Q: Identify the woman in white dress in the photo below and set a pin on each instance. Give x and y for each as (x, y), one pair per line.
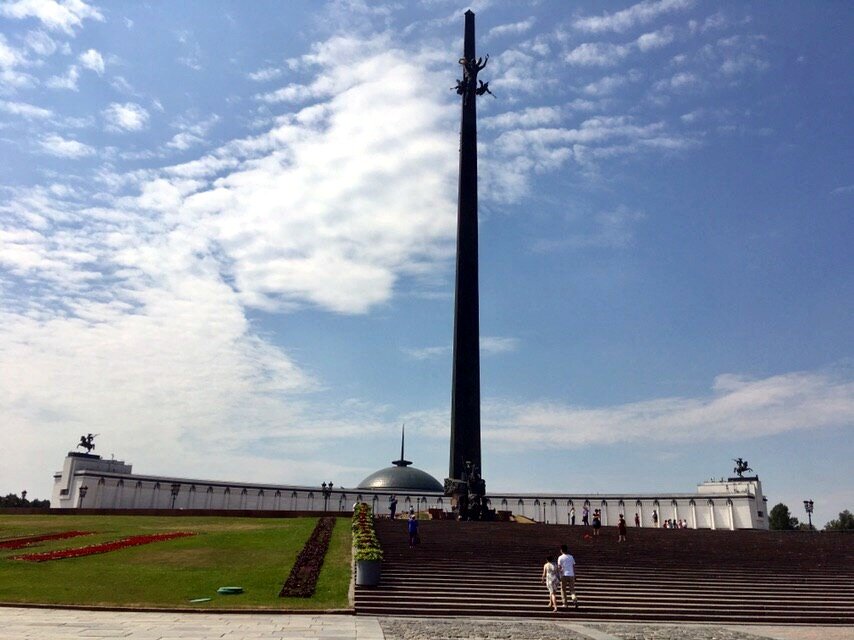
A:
(552, 582)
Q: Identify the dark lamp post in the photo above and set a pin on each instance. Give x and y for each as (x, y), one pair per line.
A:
(327, 491)
(81, 490)
(808, 507)
(176, 487)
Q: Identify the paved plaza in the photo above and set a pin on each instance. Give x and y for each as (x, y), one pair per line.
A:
(66, 624)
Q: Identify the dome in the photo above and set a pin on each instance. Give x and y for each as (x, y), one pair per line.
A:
(401, 478)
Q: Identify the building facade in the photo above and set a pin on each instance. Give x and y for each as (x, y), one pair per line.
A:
(92, 482)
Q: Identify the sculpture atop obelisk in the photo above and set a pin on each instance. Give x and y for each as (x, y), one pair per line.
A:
(464, 481)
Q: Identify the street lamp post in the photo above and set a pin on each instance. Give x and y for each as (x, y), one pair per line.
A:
(176, 487)
(327, 491)
(81, 490)
(808, 507)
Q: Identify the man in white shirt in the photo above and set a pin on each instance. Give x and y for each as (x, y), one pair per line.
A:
(566, 569)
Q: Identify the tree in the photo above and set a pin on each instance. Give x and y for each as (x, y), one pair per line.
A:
(780, 519)
(13, 500)
(845, 522)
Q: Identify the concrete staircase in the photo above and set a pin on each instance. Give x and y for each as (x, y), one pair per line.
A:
(493, 569)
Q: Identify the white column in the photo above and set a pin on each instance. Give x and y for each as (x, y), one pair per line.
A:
(712, 515)
(694, 515)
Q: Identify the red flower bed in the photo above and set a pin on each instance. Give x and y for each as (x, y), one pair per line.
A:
(26, 541)
(104, 547)
(302, 580)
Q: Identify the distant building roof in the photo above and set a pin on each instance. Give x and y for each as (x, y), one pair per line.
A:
(402, 477)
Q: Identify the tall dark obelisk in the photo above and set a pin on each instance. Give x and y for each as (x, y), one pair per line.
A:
(464, 481)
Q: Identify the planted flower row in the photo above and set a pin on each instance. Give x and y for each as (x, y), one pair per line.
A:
(104, 547)
(302, 580)
(26, 541)
(366, 546)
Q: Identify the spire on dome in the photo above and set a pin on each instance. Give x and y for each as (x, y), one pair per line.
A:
(402, 462)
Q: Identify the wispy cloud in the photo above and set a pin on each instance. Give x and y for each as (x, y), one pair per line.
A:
(528, 117)
(40, 43)
(56, 145)
(127, 116)
(427, 353)
(265, 75)
(67, 81)
(65, 15)
(192, 57)
(735, 408)
(627, 19)
(28, 111)
(491, 345)
(609, 229)
(513, 29)
(92, 59)
(607, 54)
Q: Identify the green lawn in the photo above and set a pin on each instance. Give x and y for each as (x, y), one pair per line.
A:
(253, 553)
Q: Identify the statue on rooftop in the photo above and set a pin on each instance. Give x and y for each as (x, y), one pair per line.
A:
(741, 467)
(87, 442)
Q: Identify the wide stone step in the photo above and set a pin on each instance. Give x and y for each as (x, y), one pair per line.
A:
(494, 569)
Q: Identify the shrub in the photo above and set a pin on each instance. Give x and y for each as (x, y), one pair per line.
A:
(366, 545)
(302, 580)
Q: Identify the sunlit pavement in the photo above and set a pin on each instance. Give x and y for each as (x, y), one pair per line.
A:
(59, 624)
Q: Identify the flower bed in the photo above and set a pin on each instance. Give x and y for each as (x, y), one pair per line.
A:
(366, 546)
(302, 580)
(26, 541)
(104, 547)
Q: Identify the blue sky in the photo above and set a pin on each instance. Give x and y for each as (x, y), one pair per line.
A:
(227, 234)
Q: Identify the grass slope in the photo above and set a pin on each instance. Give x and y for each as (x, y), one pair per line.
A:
(253, 553)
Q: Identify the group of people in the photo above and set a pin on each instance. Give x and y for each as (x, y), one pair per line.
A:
(560, 574)
(675, 524)
(596, 523)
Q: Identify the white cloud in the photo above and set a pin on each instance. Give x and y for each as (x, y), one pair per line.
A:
(28, 111)
(638, 14)
(608, 54)
(193, 52)
(265, 75)
(608, 84)
(529, 117)
(56, 145)
(609, 229)
(68, 81)
(65, 15)
(125, 117)
(515, 28)
(491, 345)
(183, 141)
(427, 353)
(9, 56)
(41, 43)
(598, 54)
(736, 408)
(93, 60)
(655, 39)
(681, 81)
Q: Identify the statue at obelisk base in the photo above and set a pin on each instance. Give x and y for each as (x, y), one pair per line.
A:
(465, 485)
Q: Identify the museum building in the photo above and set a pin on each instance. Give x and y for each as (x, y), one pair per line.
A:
(89, 481)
